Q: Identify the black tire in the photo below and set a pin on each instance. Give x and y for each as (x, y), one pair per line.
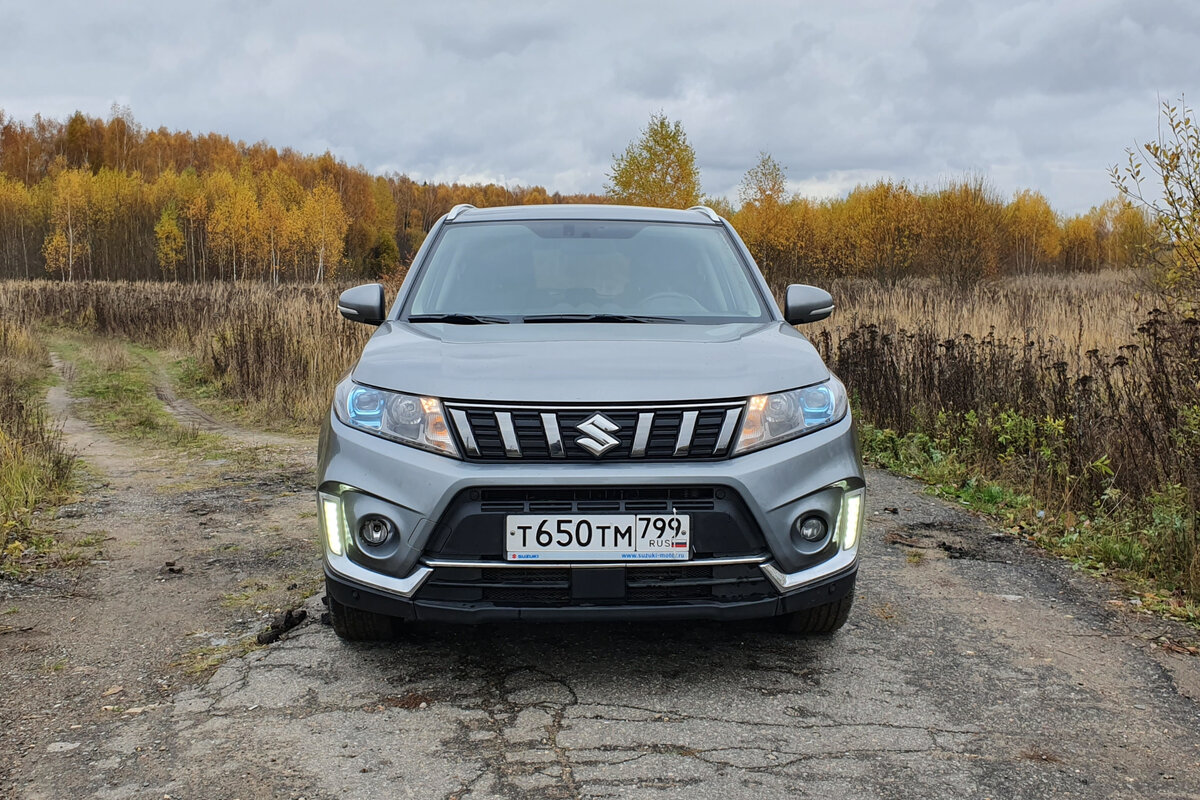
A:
(819, 620)
(356, 625)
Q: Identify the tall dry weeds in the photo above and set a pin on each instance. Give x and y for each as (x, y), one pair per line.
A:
(35, 466)
(277, 350)
(1071, 389)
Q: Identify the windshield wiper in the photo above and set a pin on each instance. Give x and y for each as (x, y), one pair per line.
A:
(597, 318)
(458, 319)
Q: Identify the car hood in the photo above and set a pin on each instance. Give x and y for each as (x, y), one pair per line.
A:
(589, 362)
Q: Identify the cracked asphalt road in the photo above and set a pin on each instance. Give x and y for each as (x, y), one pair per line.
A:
(972, 667)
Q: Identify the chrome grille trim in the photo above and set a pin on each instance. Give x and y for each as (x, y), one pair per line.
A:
(727, 430)
(544, 433)
(464, 431)
(508, 434)
(641, 435)
(698, 562)
(595, 406)
(687, 428)
(553, 436)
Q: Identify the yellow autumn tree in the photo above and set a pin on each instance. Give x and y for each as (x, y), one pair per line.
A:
(18, 215)
(168, 242)
(115, 197)
(1080, 245)
(66, 248)
(1135, 239)
(195, 206)
(1032, 236)
(324, 223)
(1171, 165)
(962, 234)
(656, 169)
(279, 194)
(765, 220)
(884, 229)
(234, 226)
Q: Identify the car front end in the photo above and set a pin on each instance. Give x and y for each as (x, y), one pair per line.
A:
(631, 468)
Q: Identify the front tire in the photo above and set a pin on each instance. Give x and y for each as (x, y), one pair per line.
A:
(355, 625)
(818, 620)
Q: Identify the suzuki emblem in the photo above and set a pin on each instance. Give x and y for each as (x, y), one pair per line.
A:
(596, 440)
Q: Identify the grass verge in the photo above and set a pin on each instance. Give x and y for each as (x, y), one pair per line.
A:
(190, 380)
(118, 380)
(1119, 541)
(35, 465)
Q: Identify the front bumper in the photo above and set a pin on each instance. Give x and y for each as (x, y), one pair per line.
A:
(819, 591)
(422, 493)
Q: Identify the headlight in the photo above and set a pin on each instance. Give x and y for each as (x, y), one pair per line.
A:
(405, 418)
(774, 418)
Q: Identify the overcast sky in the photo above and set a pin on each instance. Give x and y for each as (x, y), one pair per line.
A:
(1042, 95)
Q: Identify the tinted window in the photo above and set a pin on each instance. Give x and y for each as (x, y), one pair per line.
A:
(520, 269)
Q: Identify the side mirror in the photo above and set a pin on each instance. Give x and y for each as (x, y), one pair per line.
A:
(806, 304)
(364, 304)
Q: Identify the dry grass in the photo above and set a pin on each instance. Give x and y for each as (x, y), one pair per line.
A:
(1069, 405)
(1065, 395)
(35, 467)
(273, 352)
(1079, 311)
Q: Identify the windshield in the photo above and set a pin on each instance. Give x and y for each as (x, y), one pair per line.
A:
(584, 271)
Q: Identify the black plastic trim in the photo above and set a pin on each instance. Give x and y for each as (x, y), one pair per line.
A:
(355, 595)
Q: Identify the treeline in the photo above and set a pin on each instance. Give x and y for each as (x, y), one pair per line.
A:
(91, 198)
(961, 232)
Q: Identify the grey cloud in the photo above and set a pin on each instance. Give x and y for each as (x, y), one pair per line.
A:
(480, 39)
(1044, 95)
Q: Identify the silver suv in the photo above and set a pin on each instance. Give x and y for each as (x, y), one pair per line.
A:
(579, 412)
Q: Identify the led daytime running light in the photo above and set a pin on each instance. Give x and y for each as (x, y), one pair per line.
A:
(850, 519)
(333, 523)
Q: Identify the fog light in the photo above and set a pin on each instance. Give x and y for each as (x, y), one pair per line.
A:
(375, 530)
(812, 529)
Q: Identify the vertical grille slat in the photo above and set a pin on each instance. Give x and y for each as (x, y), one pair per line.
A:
(546, 434)
(508, 434)
(553, 437)
(728, 427)
(687, 429)
(641, 434)
(464, 431)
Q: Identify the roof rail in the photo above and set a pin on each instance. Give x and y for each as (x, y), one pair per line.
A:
(706, 211)
(458, 209)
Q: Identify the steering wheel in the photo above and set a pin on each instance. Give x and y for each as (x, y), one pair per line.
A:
(671, 295)
(683, 303)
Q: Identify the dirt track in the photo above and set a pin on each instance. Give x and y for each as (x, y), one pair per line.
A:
(974, 669)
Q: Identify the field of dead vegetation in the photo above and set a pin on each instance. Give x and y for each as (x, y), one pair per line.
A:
(1066, 406)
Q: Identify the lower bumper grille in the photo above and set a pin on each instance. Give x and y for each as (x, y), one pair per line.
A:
(472, 527)
(631, 585)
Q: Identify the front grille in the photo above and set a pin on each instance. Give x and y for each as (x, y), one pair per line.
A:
(600, 433)
(472, 526)
(643, 585)
(615, 500)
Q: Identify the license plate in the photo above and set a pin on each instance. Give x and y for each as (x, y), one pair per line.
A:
(598, 537)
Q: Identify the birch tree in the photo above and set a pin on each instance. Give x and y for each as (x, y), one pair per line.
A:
(656, 169)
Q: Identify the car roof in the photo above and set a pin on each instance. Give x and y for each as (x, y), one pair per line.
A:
(581, 211)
